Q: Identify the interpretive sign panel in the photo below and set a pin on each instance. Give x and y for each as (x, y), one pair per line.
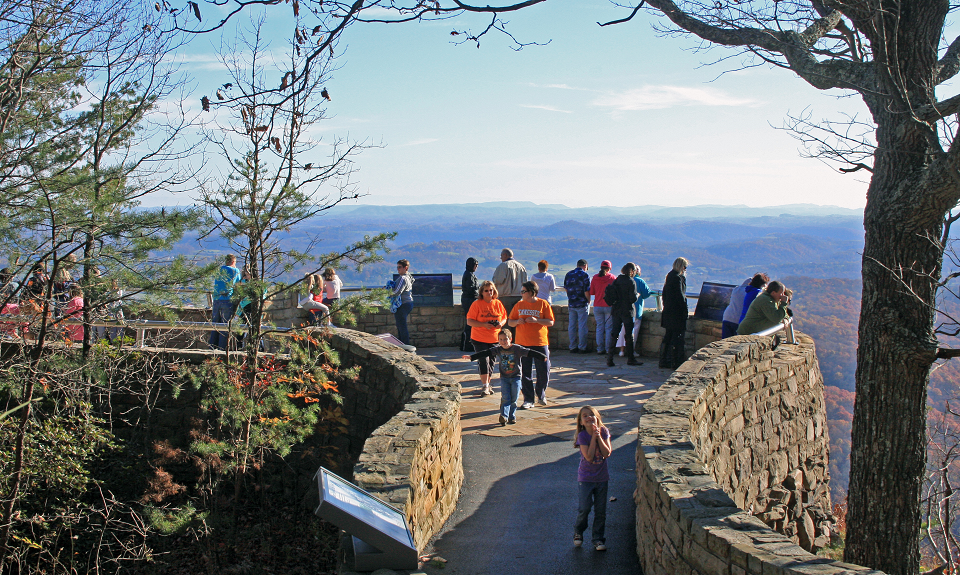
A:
(389, 543)
(714, 298)
(431, 290)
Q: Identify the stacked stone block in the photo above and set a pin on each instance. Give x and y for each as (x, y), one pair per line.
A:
(413, 458)
(442, 326)
(735, 437)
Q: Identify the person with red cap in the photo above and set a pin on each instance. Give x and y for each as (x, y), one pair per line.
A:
(601, 310)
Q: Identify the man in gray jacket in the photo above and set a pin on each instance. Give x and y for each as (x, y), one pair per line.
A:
(509, 277)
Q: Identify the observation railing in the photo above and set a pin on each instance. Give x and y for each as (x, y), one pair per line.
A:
(786, 326)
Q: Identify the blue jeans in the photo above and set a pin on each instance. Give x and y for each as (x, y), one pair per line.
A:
(604, 324)
(527, 363)
(509, 392)
(577, 329)
(592, 494)
(401, 316)
(222, 312)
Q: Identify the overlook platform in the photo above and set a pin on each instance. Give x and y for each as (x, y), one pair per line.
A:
(519, 502)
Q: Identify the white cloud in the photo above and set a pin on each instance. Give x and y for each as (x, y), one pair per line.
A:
(547, 108)
(660, 97)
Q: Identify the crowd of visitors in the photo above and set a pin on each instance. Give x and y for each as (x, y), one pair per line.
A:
(63, 301)
(617, 304)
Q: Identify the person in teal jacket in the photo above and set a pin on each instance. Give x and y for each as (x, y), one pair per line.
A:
(766, 311)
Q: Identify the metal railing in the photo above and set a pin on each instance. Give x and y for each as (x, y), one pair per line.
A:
(786, 325)
(656, 294)
(142, 326)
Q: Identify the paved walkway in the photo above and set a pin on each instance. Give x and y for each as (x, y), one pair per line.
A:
(516, 510)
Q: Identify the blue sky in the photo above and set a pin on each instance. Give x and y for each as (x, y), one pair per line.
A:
(599, 116)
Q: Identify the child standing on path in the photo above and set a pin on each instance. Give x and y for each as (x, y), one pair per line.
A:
(509, 356)
(593, 439)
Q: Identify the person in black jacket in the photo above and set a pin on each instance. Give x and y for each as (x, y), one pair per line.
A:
(470, 285)
(674, 317)
(621, 307)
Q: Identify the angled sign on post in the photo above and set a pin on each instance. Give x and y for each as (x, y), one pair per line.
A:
(381, 538)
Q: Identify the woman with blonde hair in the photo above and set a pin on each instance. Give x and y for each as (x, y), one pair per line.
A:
(485, 318)
(674, 317)
(313, 301)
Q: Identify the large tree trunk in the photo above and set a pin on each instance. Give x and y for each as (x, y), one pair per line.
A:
(911, 191)
(889, 419)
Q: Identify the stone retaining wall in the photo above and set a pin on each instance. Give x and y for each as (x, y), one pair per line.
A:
(403, 428)
(442, 326)
(409, 414)
(733, 445)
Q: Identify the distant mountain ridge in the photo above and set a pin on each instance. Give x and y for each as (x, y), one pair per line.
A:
(551, 213)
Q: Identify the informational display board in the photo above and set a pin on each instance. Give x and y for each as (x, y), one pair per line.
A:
(431, 290)
(714, 298)
(385, 541)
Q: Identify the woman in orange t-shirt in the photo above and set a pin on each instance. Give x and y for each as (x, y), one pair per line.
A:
(486, 316)
(532, 317)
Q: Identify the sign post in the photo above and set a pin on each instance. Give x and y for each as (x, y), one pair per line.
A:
(381, 538)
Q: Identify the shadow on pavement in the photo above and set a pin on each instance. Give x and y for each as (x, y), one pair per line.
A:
(518, 504)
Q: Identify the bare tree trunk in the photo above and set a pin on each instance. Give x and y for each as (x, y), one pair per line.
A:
(902, 259)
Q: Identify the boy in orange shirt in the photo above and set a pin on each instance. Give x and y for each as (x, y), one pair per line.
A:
(532, 316)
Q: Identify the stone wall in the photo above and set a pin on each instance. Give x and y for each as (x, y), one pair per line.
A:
(442, 326)
(733, 445)
(409, 414)
(403, 428)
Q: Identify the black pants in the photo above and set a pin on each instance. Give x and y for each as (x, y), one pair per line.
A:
(626, 323)
(465, 336)
(672, 349)
(527, 364)
(486, 363)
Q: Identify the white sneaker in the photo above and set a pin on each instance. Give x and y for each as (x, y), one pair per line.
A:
(527, 405)
(541, 402)
(621, 353)
(487, 390)
(600, 546)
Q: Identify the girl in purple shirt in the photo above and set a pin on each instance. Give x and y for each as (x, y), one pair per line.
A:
(593, 439)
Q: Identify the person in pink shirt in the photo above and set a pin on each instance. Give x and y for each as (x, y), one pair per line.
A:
(73, 312)
(601, 311)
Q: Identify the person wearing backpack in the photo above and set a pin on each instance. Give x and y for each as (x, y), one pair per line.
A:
(620, 296)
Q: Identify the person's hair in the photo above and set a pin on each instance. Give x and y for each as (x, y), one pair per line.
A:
(581, 263)
(230, 259)
(314, 281)
(404, 263)
(470, 263)
(37, 267)
(63, 275)
(329, 274)
(759, 281)
(580, 426)
(6, 274)
(484, 285)
(680, 264)
(506, 333)
(531, 287)
(75, 290)
(506, 252)
(774, 286)
(542, 265)
(628, 267)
